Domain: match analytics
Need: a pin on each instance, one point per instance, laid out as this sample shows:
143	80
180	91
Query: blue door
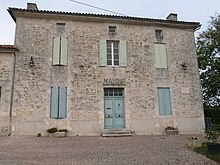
114	108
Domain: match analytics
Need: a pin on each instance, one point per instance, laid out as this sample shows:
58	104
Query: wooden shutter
54	102
56	51
63	52
62	102
122	53
164	102
160	56
102	52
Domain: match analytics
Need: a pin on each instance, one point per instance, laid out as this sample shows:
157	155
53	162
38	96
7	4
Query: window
60	51
112	53
58	102
159	35
113	92
60	27
160	56
112	29
164	102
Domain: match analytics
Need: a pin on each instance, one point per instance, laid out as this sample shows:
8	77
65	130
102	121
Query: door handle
108	108
119	115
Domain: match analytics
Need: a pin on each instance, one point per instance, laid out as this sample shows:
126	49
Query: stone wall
6	70
84	78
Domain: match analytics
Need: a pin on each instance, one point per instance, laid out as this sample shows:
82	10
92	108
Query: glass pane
108	43
116	92
109	56
116	51
116	62
109	62
109	50
115	44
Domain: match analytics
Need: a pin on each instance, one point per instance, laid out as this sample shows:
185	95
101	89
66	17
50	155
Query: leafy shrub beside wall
213	113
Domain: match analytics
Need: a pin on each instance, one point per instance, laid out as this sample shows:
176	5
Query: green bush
52	130
63	130
213	133
213	113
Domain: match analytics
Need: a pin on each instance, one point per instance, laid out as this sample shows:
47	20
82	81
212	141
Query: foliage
208	51
213	133
63	130
213	113
204	151
52	130
171	128
39	135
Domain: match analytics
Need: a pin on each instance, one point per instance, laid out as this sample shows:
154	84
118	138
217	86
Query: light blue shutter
102	52
164	102
163	56
54	102
63	59
56	51
160	56
62	102
122	53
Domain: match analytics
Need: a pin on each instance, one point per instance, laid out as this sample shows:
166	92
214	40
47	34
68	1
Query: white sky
187	10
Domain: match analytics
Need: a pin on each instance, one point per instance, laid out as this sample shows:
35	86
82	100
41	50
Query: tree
208	51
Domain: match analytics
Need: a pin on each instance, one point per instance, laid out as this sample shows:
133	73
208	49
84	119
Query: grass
204	151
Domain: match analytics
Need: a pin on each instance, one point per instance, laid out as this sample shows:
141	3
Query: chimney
32	6
172	17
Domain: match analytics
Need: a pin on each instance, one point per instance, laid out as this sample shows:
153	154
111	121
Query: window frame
113	53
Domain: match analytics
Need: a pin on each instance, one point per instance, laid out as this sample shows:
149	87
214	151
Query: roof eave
101	18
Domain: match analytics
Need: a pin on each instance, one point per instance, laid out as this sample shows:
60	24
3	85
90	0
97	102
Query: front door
114	108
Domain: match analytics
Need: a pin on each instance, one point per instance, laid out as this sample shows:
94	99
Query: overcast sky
187	10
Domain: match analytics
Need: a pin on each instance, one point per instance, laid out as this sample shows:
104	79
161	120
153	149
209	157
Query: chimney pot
172	17
32	6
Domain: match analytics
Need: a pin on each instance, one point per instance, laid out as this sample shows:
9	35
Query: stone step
116	133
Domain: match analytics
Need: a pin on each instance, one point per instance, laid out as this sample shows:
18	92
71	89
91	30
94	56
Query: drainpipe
12	94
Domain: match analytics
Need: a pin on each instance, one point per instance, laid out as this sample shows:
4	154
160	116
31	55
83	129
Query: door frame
114	99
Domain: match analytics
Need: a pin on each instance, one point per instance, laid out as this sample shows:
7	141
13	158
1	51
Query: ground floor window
164	101
58	102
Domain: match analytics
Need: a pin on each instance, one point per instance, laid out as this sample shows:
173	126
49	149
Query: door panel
109	113
119	122
108	107
119	110
108	122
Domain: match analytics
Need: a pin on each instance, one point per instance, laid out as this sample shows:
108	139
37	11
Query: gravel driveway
152	150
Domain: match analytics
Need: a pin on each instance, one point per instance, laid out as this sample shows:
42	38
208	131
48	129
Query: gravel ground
152	150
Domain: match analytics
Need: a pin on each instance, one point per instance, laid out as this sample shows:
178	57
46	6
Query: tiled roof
196	24
8	47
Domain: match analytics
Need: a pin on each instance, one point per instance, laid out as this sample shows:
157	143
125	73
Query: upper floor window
112	53
112	31
59	51
61	27
159	35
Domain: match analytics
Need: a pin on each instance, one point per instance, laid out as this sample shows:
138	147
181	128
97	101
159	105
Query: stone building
7	68
89	72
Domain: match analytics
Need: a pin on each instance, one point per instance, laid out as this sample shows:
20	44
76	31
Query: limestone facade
6	78
85	79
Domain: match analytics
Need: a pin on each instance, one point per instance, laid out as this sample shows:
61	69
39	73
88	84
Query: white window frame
112	53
